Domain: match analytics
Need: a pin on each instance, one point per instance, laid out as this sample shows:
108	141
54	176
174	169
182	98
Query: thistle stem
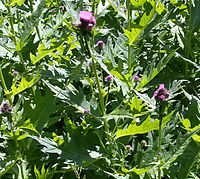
4	85
36	27
159	144
101	97
13	33
129	29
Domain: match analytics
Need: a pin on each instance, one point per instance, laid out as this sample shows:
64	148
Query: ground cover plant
100	89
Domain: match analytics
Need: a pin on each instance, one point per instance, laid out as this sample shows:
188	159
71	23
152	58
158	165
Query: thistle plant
161	94
76	100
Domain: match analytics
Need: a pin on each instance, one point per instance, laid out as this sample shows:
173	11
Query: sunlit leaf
145	127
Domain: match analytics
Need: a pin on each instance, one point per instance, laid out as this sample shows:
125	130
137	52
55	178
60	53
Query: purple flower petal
108	78
85	112
90	26
161	97
85	16
93	20
136	79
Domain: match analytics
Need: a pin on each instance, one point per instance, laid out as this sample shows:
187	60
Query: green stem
4	86
159	147
13	33
188	46
93	6
97	78
3	81
11	23
107	95
37	29
22	171
99	88
129	29
101	97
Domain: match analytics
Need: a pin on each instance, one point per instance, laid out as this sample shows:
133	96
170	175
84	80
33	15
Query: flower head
62	8
15	73
144	142
161	93
85	16
136	79
52	10
85	112
5	108
87	20
90	26
109	78
93	20
5	105
100	44
9	109
2	109
128	147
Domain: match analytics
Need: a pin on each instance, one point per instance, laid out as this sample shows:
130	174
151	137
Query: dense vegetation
100	89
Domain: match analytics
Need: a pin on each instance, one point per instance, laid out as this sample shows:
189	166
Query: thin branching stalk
13	33
159	143
129	29
36	27
4	85
93	6
11	24
101	97
188	46
107	94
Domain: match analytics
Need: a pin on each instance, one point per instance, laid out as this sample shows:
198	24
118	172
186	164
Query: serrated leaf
138	2
177	150
160	8
136	31
180	168
145	127
49	145
28	125
29	25
43	51
23	85
18	2
152	70
44	106
187	125
135	170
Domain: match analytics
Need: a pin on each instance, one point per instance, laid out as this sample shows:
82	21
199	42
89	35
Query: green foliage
73	109
145	127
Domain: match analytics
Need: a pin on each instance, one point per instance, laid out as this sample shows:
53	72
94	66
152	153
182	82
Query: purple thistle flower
166	94
87	20
161	97
62	8
15	73
161	93
2	109
53	10
90	26
100	44
90	64
109	78
85	16
9	109
93	20
144	142
128	147
85	112
5	104
136	79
